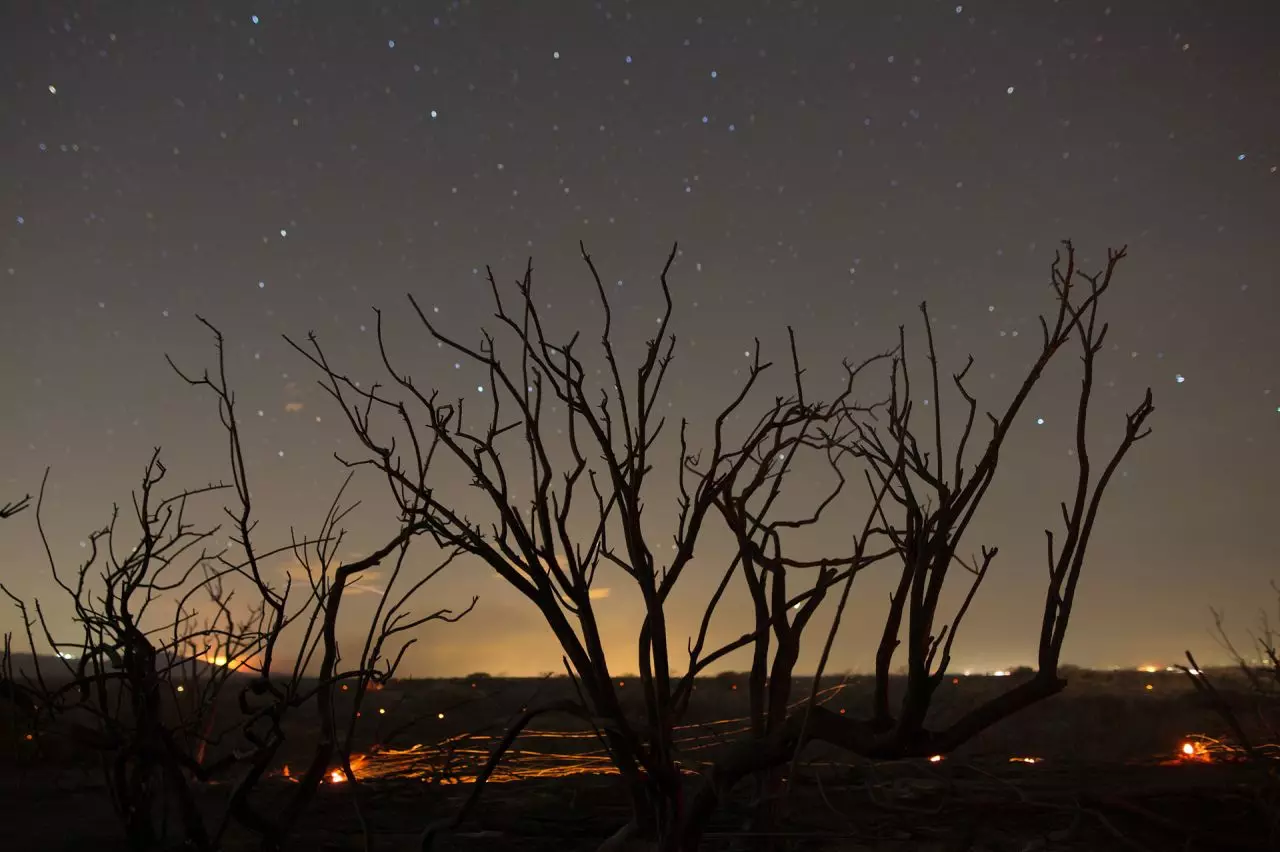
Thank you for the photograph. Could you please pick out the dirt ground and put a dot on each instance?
(908, 806)
(1106, 776)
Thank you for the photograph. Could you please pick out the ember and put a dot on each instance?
(1194, 751)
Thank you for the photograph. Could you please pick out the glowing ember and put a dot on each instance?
(937, 758)
(1193, 751)
(357, 763)
(1026, 759)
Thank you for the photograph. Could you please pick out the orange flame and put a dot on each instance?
(338, 776)
(1193, 751)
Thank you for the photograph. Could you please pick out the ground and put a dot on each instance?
(1106, 775)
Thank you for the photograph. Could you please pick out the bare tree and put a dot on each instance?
(581, 506)
(547, 540)
(163, 647)
(938, 498)
(937, 491)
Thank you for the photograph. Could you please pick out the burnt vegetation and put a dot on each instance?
(176, 681)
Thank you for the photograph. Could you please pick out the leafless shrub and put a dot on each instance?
(1255, 727)
(570, 506)
(937, 490)
(174, 684)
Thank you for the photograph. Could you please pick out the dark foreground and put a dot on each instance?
(947, 807)
(1109, 777)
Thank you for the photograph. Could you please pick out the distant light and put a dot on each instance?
(1009, 91)
(283, 232)
(382, 711)
(937, 758)
(1039, 421)
(1148, 669)
(261, 285)
(1179, 378)
(253, 18)
(1238, 156)
(704, 119)
(391, 43)
(479, 388)
(714, 74)
(1001, 673)
(434, 114)
(959, 9)
(181, 688)
(53, 90)
(441, 715)
(1149, 687)
(21, 220)
(628, 60)
(555, 55)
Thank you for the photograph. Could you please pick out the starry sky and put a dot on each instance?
(284, 167)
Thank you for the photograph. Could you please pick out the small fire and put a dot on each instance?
(338, 776)
(1026, 759)
(1193, 751)
(937, 758)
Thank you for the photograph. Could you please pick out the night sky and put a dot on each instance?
(283, 167)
